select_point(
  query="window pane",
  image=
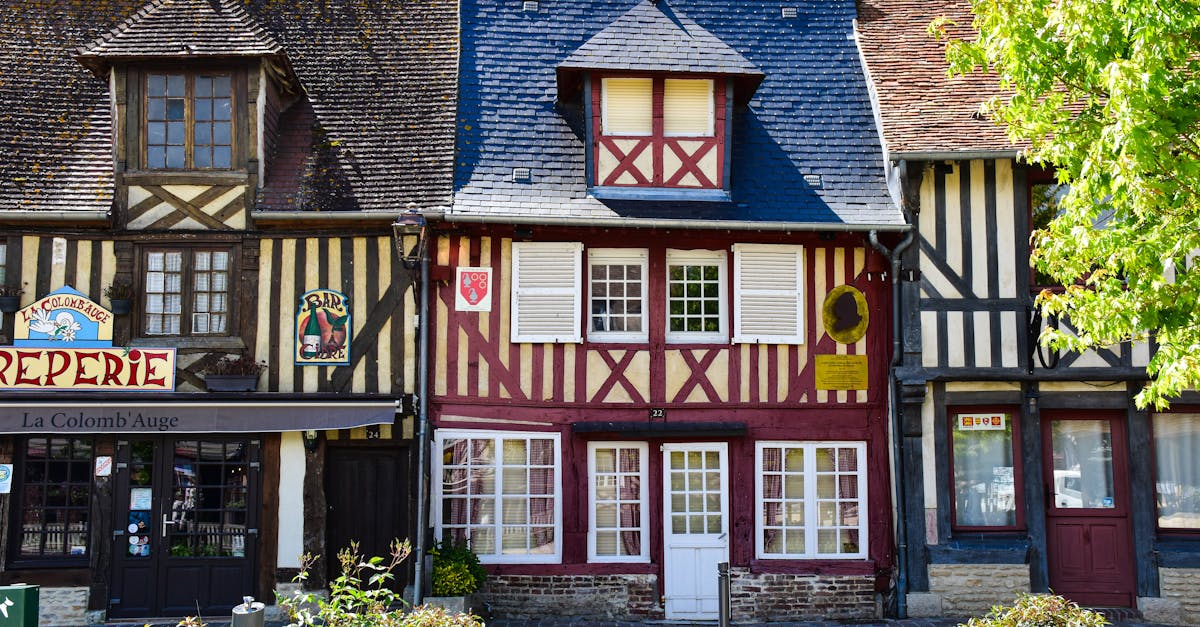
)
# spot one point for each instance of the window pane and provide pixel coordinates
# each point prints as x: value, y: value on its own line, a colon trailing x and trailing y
x: 688, y: 311
x: 616, y: 297
x: 616, y: 514
x: 984, y: 488
x: 1177, y: 482
x: 55, y: 498
x: 627, y: 106
x: 688, y: 107
x: 1083, y: 474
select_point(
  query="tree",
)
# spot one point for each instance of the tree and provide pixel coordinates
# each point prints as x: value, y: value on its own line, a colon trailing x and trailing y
x: 1108, y: 93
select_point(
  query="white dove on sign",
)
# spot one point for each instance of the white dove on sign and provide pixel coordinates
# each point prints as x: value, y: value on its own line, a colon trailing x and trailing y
x: 5, y: 605
x: 62, y: 327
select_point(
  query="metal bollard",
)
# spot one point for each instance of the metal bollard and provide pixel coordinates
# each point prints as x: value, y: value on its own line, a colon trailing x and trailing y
x: 249, y: 614
x: 723, y: 594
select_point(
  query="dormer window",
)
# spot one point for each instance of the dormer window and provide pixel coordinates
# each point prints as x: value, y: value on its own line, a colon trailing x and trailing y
x: 188, y: 121
x: 659, y: 132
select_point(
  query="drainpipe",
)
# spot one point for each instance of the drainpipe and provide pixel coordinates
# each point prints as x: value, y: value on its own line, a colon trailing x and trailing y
x: 897, y: 427
x: 423, y: 428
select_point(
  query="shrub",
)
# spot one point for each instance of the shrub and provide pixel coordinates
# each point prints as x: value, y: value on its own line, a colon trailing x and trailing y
x: 1040, y: 610
x: 361, y: 596
x: 456, y: 569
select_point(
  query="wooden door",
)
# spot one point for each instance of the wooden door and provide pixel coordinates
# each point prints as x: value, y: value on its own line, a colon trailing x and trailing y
x: 186, y: 518
x: 695, y: 529
x: 1089, y: 541
x: 367, y: 493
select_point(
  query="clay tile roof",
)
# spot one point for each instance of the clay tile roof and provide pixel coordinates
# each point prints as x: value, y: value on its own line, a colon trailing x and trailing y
x: 920, y: 108
x: 373, y: 128
x: 656, y: 38
x: 183, y: 28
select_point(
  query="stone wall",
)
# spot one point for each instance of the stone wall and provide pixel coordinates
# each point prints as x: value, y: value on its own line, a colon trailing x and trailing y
x: 62, y: 606
x: 594, y: 596
x: 963, y: 590
x: 778, y: 597
x: 1181, y: 585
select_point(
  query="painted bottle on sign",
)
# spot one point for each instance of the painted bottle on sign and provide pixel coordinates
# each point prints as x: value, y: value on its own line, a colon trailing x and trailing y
x: 310, y: 340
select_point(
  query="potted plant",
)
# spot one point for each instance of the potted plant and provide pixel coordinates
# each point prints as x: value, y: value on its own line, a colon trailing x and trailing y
x: 234, y: 374
x: 456, y: 576
x: 120, y: 297
x: 10, y: 298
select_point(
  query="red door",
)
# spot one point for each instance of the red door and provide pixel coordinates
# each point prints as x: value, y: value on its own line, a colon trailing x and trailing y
x: 1089, y: 543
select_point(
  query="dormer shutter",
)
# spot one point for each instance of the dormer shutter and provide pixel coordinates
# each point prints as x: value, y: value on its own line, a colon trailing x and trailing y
x: 547, y: 291
x: 768, y: 294
x: 628, y: 106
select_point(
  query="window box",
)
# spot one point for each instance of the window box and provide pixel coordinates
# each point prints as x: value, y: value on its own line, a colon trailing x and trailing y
x: 231, y: 382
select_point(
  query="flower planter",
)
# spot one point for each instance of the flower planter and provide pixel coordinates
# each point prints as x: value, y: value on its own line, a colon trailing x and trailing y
x: 231, y: 382
x: 120, y: 306
x: 10, y: 304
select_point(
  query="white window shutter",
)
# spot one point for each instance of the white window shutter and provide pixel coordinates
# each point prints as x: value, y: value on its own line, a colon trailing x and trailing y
x: 546, y: 291
x: 688, y: 107
x: 768, y: 288
x: 628, y: 106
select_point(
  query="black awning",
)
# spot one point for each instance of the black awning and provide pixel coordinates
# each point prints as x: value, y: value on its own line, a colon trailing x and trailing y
x: 191, y: 417
x: 663, y: 429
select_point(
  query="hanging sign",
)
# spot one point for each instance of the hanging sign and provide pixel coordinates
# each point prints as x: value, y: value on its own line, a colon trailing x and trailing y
x: 981, y: 422
x: 323, y: 329
x: 474, y: 289
x: 64, y: 341
x: 104, y: 466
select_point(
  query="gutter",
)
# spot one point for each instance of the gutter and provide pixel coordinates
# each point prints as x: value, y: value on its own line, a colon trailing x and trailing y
x: 954, y: 155
x: 668, y: 223
x: 25, y: 215
x: 336, y: 217
x: 422, y: 393
x: 897, y: 433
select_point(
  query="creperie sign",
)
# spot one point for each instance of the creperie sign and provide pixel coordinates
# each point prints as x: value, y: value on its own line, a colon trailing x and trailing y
x: 149, y: 370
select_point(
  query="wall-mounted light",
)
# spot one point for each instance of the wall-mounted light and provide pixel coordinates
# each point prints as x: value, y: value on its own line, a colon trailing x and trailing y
x: 411, y: 222
x: 311, y: 438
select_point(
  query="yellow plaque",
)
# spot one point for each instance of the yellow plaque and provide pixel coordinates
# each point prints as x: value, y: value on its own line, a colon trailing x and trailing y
x: 841, y: 372
x: 845, y: 314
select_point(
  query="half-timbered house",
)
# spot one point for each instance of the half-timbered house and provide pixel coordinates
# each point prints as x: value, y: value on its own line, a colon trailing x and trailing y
x: 232, y: 169
x: 661, y: 335
x: 1026, y: 470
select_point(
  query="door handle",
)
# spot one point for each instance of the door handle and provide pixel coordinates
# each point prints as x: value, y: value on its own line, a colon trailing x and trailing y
x: 166, y: 522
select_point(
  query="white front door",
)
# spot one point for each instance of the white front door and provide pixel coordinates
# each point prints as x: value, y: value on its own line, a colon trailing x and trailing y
x: 696, y: 527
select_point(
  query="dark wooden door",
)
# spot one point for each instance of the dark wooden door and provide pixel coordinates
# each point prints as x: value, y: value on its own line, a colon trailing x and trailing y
x: 1089, y: 541
x: 186, y: 526
x: 367, y: 492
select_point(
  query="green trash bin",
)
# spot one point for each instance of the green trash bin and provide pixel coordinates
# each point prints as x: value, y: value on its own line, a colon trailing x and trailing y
x: 19, y: 605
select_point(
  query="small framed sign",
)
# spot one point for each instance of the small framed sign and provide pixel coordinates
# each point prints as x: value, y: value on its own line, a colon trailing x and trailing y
x: 981, y: 422
x: 473, y: 289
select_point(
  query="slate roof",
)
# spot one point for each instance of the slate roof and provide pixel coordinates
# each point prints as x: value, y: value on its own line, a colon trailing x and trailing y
x: 920, y: 108
x: 658, y: 39
x: 183, y: 28
x: 374, y: 132
x: 811, y: 116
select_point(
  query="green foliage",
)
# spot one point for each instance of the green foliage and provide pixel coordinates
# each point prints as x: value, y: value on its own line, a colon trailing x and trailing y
x: 362, y: 597
x: 1108, y: 93
x: 456, y: 569
x: 1039, y: 610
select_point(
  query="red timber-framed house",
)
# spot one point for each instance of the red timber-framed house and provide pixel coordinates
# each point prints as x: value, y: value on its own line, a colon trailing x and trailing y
x: 1025, y: 470
x: 660, y: 334
x: 238, y: 165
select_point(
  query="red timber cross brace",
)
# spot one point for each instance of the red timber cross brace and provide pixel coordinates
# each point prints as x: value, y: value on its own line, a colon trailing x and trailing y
x: 628, y: 150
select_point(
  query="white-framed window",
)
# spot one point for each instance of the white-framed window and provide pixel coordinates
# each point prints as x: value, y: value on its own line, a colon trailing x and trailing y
x: 618, y: 515
x: 547, y: 292
x: 768, y: 293
x: 617, y: 294
x: 810, y: 500
x: 501, y: 492
x: 696, y: 296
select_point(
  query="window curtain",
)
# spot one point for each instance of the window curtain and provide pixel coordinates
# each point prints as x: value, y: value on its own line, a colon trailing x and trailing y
x: 1177, y: 482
